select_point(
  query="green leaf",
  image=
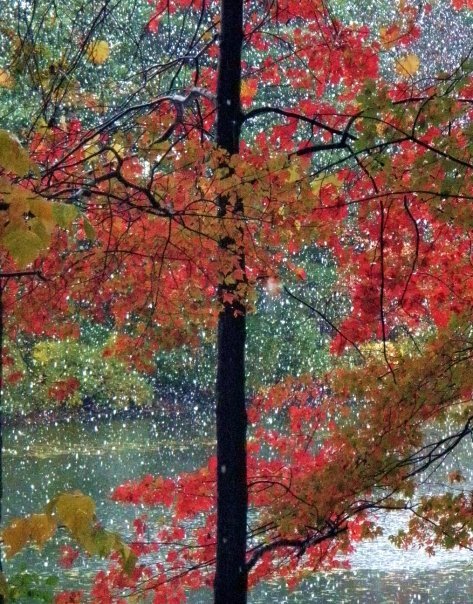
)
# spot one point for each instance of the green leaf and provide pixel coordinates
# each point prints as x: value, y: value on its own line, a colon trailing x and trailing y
x: 24, y: 245
x: 129, y: 559
x: 64, y: 214
x: 89, y: 229
x: 39, y: 229
x: 103, y: 543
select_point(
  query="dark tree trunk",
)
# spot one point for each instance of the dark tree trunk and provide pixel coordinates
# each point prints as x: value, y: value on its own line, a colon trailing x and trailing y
x: 232, y: 494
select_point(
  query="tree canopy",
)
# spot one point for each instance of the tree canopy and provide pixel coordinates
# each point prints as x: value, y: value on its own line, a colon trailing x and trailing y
x: 142, y: 190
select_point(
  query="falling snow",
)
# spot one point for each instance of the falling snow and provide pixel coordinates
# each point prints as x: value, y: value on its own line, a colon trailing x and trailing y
x: 95, y: 450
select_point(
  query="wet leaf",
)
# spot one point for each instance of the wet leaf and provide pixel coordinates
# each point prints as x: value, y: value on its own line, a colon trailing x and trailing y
x: 408, y: 65
x: 6, y: 79
x: 74, y: 510
x: 13, y: 157
x: 15, y: 536
x: 23, y: 244
x: 41, y: 528
x: 64, y: 214
x: 98, y: 52
x: 89, y: 229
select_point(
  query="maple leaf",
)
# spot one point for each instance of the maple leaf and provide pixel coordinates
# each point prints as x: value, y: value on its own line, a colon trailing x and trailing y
x: 37, y: 528
x: 153, y: 24
x: 389, y: 35
x: 462, y: 4
x: 23, y: 244
x: 68, y: 555
x: 249, y: 88
x: 15, y: 536
x: 6, y: 79
x: 98, y: 52
x: 408, y: 65
x: 13, y: 157
x: 300, y: 273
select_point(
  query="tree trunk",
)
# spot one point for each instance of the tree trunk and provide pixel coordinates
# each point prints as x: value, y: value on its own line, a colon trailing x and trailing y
x: 230, y: 585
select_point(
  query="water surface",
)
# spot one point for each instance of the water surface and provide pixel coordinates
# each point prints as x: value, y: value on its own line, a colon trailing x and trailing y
x: 93, y: 457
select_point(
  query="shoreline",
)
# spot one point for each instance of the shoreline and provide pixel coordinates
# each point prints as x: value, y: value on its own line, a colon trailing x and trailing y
x: 199, y: 403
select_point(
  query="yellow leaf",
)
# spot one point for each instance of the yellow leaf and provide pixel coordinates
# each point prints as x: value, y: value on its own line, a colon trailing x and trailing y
x: 118, y: 149
x: 39, y: 229
x: 17, y: 195
x: 41, y: 125
x: 92, y: 153
x: 322, y: 181
x: 381, y: 128
x: 6, y: 79
x: 249, y: 89
x: 15, y: 536
x: 41, y: 353
x: 98, y: 52
x: 37, y: 528
x: 75, y: 511
x: 408, y: 65
x: 282, y: 211
x: 294, y: 173
x: 21, y: 200
x: 41, y: 528
x: 13, y: 157
x: 43, y: 210
x: 102, y: 543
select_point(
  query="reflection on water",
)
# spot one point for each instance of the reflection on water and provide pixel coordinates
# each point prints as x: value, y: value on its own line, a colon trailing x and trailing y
x: 41, y: 461
x: 452, y: 586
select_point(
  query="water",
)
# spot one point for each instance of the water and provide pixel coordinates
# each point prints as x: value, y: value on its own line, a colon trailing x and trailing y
x: 94, y: 457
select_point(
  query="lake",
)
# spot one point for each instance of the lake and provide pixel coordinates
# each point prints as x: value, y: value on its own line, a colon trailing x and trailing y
x: 95, y: 456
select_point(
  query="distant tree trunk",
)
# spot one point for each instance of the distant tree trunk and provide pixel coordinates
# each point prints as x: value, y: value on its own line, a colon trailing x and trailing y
x: 232, y: 493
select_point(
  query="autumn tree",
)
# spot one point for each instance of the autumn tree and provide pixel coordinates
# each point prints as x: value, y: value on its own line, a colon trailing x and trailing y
x: 263, y: 130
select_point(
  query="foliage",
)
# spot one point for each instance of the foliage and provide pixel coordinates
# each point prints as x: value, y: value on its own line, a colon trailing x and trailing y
x: 51, y: 52
x: 28, y: 219
x: 31, y: 587
x: 352, y: 149
x: 286, y: 337
x: 69, y: 373
x: 75, y: 513
x: 273, y: 352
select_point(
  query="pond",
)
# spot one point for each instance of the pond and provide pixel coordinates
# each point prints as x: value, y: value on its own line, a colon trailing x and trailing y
x: 41, y: 460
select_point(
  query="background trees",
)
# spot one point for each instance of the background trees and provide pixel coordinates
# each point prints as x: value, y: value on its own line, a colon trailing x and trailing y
x: 349, y: 145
